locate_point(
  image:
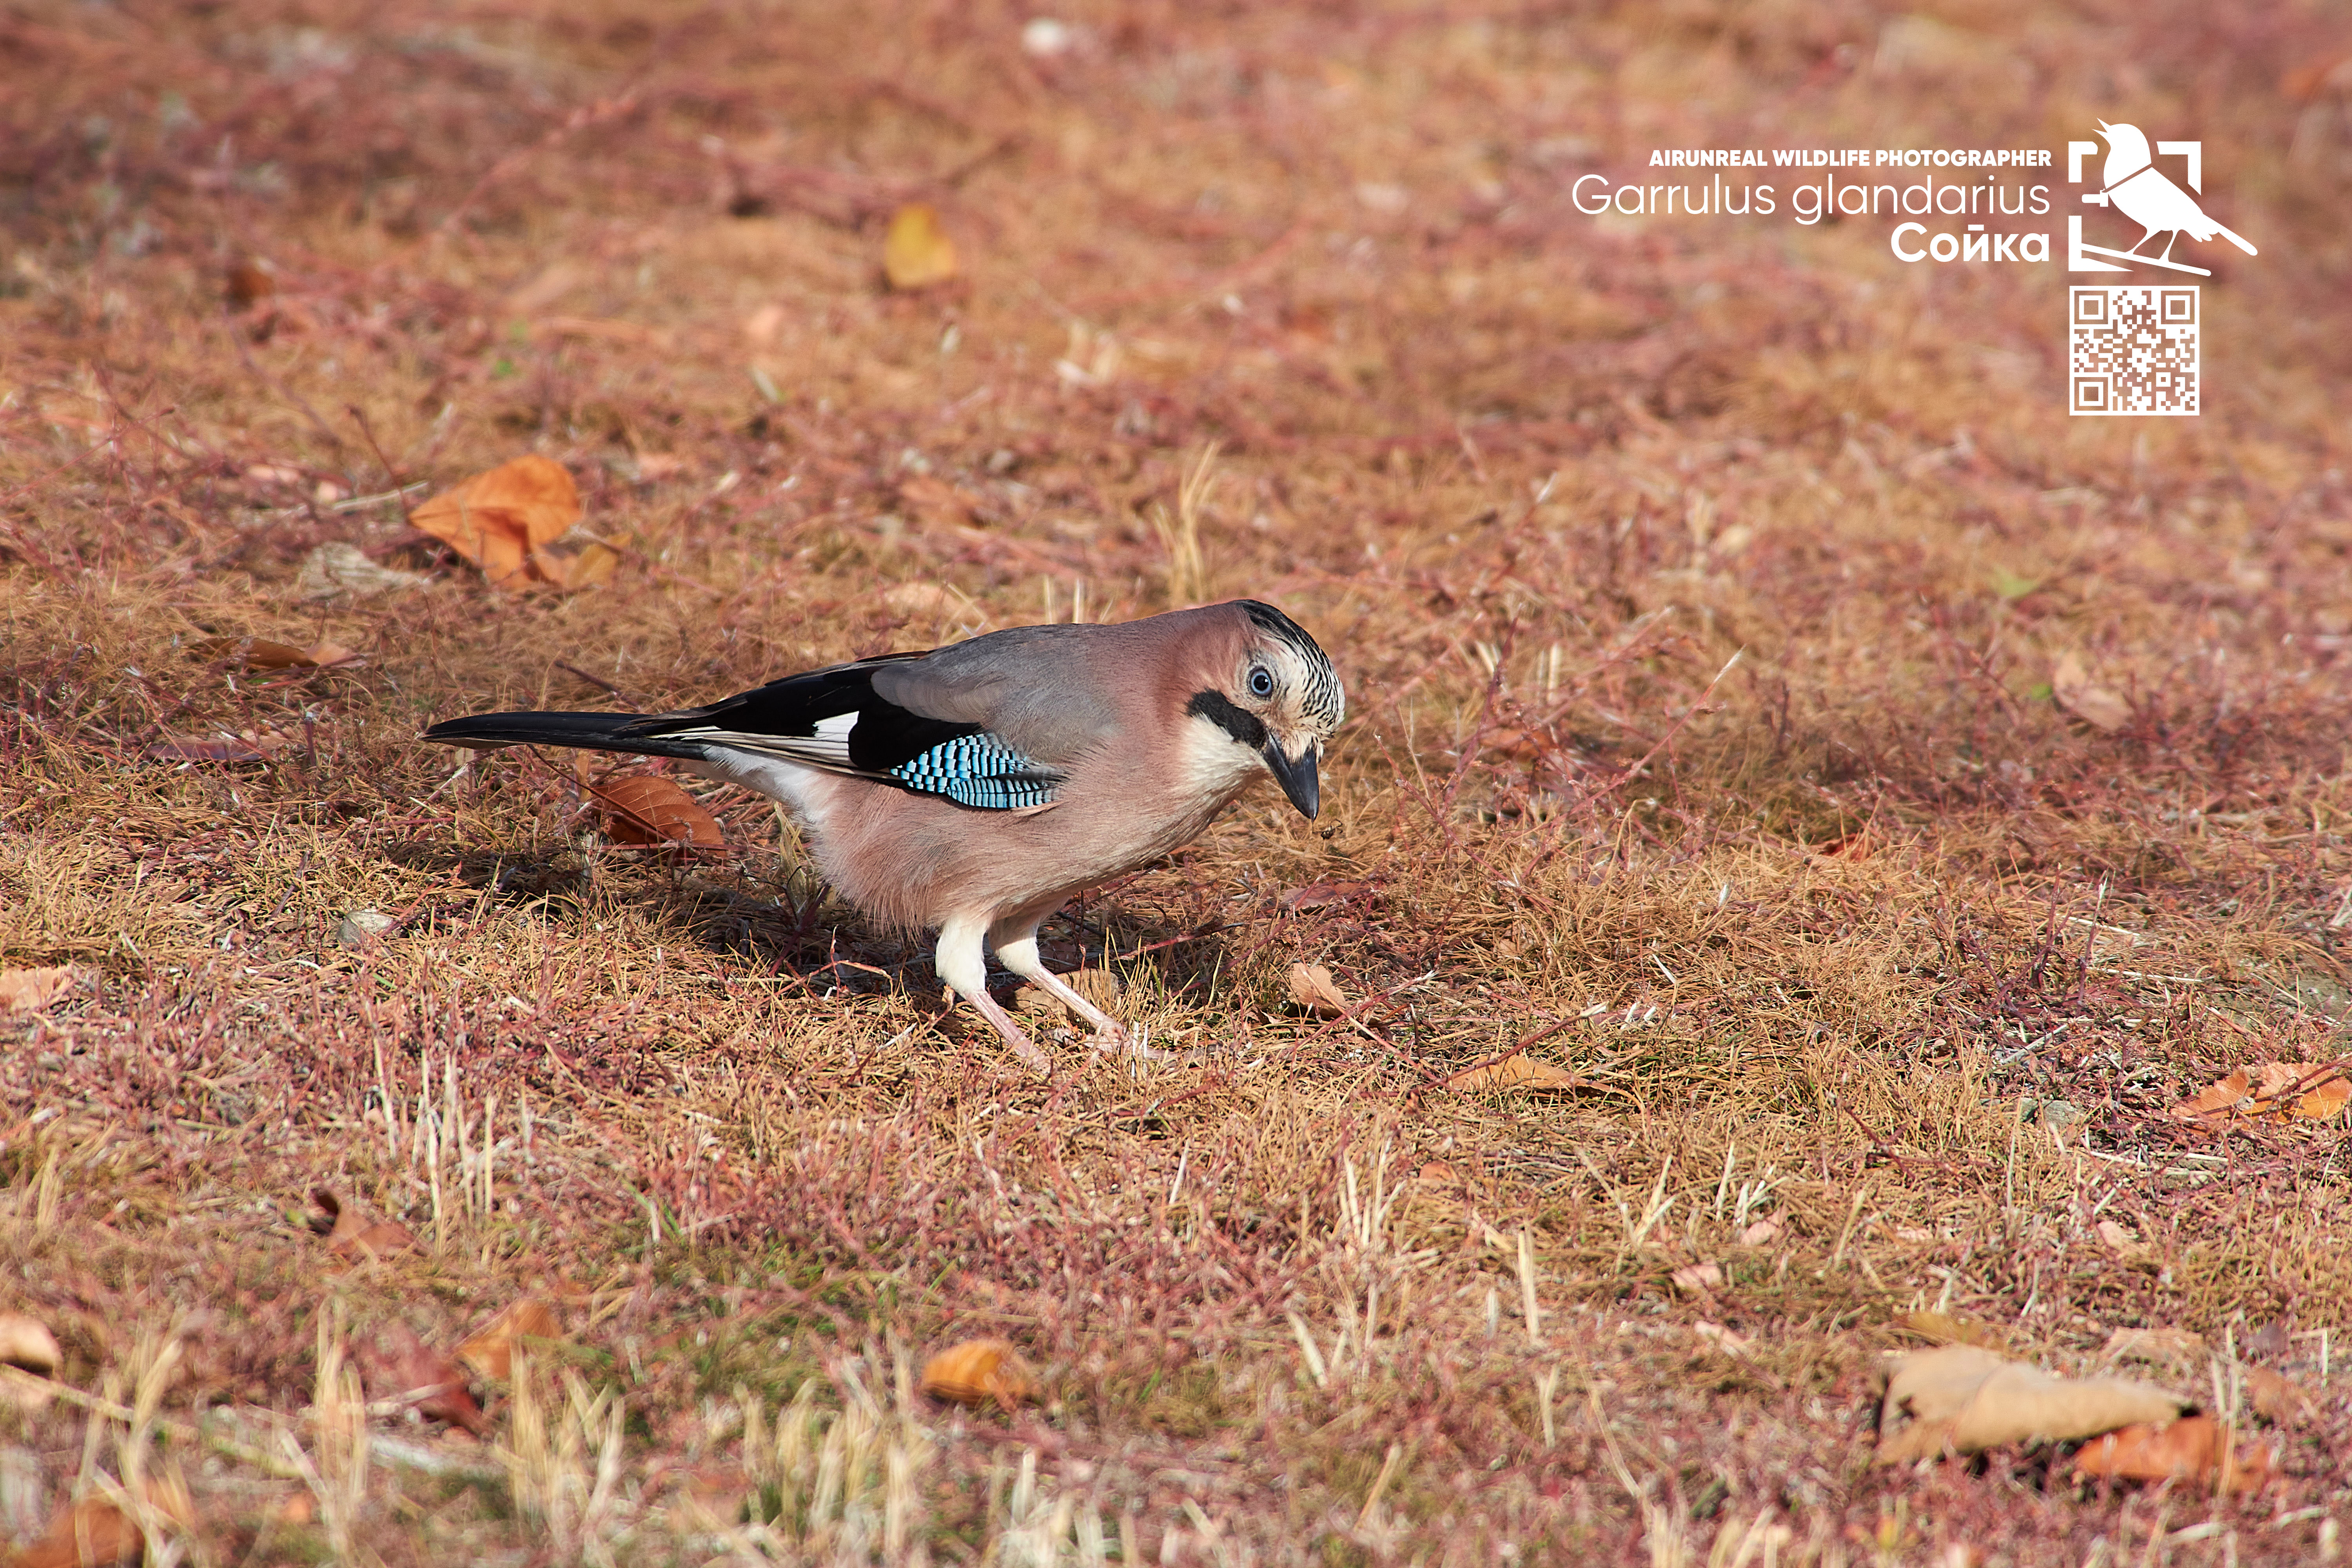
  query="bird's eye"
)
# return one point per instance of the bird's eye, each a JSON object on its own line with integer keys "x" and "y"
{"x": 1261, "y": 681}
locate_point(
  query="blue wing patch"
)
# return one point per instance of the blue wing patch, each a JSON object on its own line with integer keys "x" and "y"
{"x": 979, "y": 769}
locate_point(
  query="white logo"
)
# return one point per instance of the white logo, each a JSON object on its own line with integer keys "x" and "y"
{"x": 2134, "y": 187}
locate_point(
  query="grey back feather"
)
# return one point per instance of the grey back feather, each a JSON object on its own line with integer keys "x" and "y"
{"x": 1045, "y": 690}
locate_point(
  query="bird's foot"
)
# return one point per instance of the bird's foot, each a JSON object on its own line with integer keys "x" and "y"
{"x": 1113, "y": 1039}
{"x": 1011, "y": 1033}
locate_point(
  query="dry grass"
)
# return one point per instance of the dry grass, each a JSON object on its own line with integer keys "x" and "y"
{"x": 1284, "y": 301}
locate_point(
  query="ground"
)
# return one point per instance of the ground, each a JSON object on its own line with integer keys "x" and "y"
{"x": 1856, "y": 978}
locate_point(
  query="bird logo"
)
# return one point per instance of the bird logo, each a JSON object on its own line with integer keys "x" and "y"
{"x": 2132, "y": 184}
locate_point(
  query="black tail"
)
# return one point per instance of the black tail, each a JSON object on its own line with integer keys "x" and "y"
{"x": 587, "y": 731}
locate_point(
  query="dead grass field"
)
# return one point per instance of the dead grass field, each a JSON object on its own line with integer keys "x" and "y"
{"x": 1880, "y": 945}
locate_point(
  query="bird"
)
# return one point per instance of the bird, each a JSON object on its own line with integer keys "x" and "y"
{"x": 974, "y": 789}
{"x": 2136, "y": 188}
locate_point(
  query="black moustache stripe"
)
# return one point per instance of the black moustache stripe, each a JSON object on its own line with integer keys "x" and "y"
{"x": 1240, "y": 724}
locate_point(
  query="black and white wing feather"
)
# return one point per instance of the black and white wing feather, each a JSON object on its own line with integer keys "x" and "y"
{"x": 831, "y": 719}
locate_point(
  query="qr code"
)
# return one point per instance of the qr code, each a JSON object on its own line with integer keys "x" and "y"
{"x": 2132, "y": 350}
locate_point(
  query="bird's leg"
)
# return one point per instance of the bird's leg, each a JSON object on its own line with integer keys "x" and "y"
{"x": 963, "y": 969}
{"x": 2170, "y": 243}
{"x": 1022, "y": 957}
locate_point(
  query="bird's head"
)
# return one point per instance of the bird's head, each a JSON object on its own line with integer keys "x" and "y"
{"x": 2125, "y": 139}
{"x": 1278, "y": 700}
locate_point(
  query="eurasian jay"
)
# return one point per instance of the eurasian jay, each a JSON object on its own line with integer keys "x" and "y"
{"x": 978, "y": 787}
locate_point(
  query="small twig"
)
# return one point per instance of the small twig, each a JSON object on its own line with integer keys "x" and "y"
{"x": 1672, "y": 731}
{"x": 596, "y": 680}
{"x": 391, "y": 474}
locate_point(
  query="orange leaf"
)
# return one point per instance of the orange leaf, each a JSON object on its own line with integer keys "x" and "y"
{"x": 499, "y": 519}
{"x": 1514, "y": 1072}
{"x": 491, "y": 1350}
{"x": 977, "y": 1371}
{"x": 31, "y": 990}
{"x": 2218, "y": 1099}
{"x": 2191, "y": 1448}
{"x": 917, "y": 252}
{"x": 2278, "y": 1092}
{"x": 94, "y": 1531}
{"x": 592, "y": 568}
{"x": 646, "y": 808}
{"x": 2315, "y": 1090}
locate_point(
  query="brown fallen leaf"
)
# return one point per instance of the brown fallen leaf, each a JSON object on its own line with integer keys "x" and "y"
{"x": 2309, "y": 1090}
{"x": 92, "y": 1531}
{"x": 1313, "y": 991}
{"x": 1099, "y": 986}
{"x": 2276, "y": 1091}
{"x": 1964, "y": 1399}
{"x": 248, "y": 283}
{"x": 2276, "y": 1398}
{"x": 490, "y": 1349}
{"x": 396, "y": 1365}
{"x": 26, "y": 1345}
{"x": 503, "y": 519}
{"x": 1320, "y": 895}
{"x": 2098, "y": 706}
{"x": 261, "y": 653}
{"x": 1951, "y": 1329}
{"x": 254, "y": 748}
{"x": 95, "y": 1530}
{"x": 646, "y": 808}
{"x": 977, "y": 1371}
{"x": 1521, "y": 1071}
{"x": 1852, "y": 846}
{"x": 1721, "y": 1338}
{"x": 2120, "y": 1241}
{"x": 917, "y": 252}
{"x": 31, "y": 990}
{"x": 1763, "y": 1232}
{"x": 592, "y": 565}
{"x": 351, "y": 1238}
{"x": 2194, "y": 1448}
{"x": 1699, "y": 1278}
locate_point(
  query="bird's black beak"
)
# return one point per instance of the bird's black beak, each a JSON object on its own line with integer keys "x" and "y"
{"x": 1297, "y": 778}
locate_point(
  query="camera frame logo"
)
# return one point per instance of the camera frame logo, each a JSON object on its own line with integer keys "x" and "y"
{"x": 2132, "y": 349}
